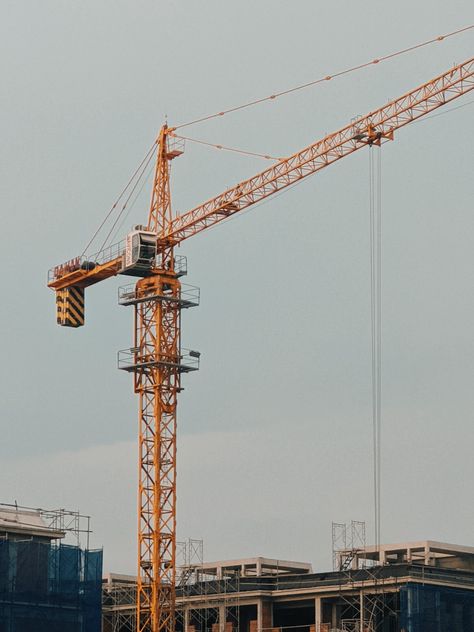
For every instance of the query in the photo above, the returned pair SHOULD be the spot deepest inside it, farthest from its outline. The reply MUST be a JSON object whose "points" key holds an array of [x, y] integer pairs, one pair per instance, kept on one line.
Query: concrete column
{"points": [[221, 618], [264, 615], [334, 615], [318, 613], [427, 555], [186, 619], [259, 615]]}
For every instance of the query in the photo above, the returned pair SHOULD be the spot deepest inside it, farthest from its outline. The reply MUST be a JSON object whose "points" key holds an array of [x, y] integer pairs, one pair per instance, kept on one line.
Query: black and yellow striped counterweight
{"points": [[70, 307]]}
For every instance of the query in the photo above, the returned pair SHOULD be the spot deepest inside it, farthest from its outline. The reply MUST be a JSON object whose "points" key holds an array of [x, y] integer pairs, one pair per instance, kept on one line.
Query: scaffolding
{"points": [[47, 585], [205, 602], [64, 523], [119, 606], [363, 608]]}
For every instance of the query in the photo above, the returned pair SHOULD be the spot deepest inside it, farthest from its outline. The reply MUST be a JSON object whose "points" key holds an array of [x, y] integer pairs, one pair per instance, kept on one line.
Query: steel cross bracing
{"points": [[157, 382], [157, 356]]}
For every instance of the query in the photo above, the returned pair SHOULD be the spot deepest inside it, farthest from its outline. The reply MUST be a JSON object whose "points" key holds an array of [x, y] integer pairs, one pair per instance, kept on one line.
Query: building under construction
{"points": [[411, 587], [47, 585]]}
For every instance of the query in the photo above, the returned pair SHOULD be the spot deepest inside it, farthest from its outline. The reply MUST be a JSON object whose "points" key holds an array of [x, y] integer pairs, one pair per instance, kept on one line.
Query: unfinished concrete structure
{"points": [[411, 587], [426, 552]]}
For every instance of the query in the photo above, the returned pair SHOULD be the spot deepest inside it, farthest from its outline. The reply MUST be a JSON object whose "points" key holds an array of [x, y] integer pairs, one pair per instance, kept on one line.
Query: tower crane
{"points": [[156, 358]]}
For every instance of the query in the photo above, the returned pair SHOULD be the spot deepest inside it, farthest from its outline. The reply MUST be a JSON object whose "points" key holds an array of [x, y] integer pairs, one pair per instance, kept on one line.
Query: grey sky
{"points": [[275, 430]]}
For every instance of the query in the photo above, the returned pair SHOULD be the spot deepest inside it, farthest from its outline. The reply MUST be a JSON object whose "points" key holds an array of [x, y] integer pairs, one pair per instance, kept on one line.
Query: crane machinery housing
{"points": [[156, 358]]}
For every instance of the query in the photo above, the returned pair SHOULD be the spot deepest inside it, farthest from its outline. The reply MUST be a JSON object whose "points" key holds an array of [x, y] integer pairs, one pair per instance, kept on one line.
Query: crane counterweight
{"points": [[70, 307]]}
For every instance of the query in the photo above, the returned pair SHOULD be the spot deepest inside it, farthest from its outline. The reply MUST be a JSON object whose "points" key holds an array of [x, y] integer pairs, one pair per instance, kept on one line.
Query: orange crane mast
{"points": [[156, 358]]}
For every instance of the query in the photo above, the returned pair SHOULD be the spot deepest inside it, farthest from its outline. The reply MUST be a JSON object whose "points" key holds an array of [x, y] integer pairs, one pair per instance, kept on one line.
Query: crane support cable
{"points": [[458, 107], [131, 205], [378, 126], [268, 157], [377, 60], [225, 148], [146, 160], [140, 178]]}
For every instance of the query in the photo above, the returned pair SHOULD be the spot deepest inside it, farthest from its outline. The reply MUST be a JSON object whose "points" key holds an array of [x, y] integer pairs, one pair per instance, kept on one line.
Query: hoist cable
{"points": [[379, 336], [375, 212]]}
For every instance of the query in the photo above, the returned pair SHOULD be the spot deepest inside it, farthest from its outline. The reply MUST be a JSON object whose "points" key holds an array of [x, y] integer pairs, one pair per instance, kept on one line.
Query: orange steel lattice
{"points": [[157, 382], [157, 360]]}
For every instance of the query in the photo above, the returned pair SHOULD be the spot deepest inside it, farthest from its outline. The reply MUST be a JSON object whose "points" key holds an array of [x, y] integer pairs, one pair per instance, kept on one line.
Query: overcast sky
{"points": [[275, 429]]}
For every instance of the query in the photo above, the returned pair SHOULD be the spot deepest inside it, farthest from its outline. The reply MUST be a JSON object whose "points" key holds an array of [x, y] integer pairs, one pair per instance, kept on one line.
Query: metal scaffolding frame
{"points": [[368, 607], [70, 523], [207, 614], [205, 603], [47, 584], [119, 608]]}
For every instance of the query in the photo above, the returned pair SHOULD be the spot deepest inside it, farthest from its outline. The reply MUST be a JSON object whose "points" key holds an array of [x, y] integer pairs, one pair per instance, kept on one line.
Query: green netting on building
{"points": [[46, 587], [427, 608]]}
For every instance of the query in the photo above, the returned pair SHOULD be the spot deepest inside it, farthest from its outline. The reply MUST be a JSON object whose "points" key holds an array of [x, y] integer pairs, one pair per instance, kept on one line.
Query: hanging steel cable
{"points": [[375, 210]]}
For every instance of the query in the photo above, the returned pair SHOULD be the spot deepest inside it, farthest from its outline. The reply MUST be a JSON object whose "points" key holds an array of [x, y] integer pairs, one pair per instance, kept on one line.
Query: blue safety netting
{"points": [[46, 587], [425, 608]]}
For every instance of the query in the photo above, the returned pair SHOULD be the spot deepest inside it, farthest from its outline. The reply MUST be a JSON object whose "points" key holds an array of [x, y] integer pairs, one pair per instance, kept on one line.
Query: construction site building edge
{"points": [[51, 581]]}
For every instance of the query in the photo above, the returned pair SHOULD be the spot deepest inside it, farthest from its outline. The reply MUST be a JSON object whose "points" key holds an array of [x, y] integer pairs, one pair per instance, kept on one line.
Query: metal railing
{"points": [[129, 294], [133, 360], [99, 258], [105, 256]]}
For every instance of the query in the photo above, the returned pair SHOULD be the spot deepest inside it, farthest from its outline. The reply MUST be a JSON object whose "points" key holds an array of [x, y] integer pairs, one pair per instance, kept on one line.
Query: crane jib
{"points": [[370, 129]]}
